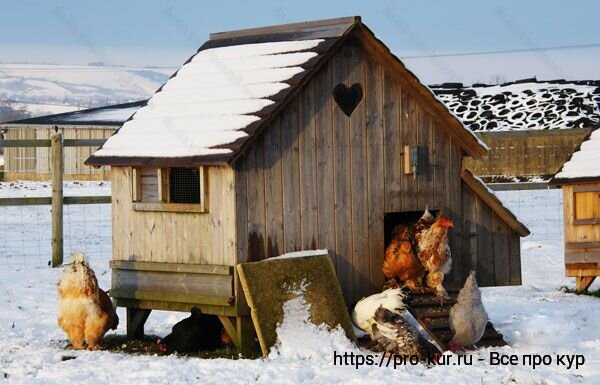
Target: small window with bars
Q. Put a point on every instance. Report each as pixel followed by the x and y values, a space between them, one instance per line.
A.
pixel 169 189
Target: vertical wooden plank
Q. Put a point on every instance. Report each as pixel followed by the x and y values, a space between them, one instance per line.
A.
pixel 342 204
pixel 359 181
pixel 392 145
pixel 241 209
pixel 376 173
pixel 501 253
pixel 568 213
pixel 256 202
pixel 469 255
pixel 424 168
pixel 514 251
pixel 455 187
pixel 441 169
pixel 308 167
pixel 325 167
pixel 274 189
pixel 485 257
pixel 215 214
pixel 291 179
pixel 409 137
pixel 229 230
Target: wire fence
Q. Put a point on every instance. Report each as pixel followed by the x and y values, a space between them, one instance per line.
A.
pixel 540 210
pixel 26 230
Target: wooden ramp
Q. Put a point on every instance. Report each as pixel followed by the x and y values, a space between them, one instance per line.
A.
pixel 433 316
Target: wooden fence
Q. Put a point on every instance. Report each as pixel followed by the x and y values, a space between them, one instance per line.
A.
pixel 526 153
pixel 57 200
pixel 34 163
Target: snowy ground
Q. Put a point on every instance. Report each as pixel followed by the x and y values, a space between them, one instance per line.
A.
pixel 536 318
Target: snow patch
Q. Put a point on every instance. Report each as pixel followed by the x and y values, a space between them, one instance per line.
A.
pixel 300 254
pixel 299 339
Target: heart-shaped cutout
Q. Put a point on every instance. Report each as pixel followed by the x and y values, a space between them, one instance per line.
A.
pixel 348 97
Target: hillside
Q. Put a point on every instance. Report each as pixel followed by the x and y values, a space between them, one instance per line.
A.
pixel 48 89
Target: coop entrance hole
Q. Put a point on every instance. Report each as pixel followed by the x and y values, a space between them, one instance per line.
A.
pixel 407 218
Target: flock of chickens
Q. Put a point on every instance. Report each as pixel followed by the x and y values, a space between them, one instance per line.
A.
pixel 416 259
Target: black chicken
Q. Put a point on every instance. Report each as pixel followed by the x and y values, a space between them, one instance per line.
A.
pixel 197 332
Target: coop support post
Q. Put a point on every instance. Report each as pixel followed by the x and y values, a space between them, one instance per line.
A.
pixel 136 318
pixel 57 198
pixel 584 283
pixel 241 331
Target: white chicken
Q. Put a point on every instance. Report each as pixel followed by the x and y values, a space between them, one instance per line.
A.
pixel 382 317
pixel 468 317
pixel 363 314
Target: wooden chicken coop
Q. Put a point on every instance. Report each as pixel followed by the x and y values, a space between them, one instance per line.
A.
pixel 580 181
pixel 294 137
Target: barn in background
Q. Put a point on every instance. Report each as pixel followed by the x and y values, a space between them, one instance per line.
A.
pixel 580 181
pixel 294 137
pixel 33 163
pixel 531 127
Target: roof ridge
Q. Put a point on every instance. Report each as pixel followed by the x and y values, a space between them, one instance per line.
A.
pixel 283 27
pixel 533 80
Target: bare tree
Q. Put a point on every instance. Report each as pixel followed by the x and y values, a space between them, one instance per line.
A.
pixel 497 79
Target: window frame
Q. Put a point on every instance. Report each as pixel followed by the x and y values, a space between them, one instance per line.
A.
pixel 163 204
pixel 584 189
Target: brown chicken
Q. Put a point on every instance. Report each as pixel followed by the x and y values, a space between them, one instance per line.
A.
pixel 423 224
pixel 85 312
pixel 433 251
pixel 400 259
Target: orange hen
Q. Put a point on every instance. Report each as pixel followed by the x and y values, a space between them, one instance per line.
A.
pixel 400 259
pixel 85 312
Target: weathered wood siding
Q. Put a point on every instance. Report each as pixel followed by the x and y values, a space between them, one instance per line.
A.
pixel 172 237
pixel 319 179
pixel 35 163
pixel 582 226
pixel 526 153
pixel 490 246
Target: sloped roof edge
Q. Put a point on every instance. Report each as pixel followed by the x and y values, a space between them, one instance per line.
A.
pixel 482 191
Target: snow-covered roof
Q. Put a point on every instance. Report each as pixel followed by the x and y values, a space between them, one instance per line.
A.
pixel 113 116
pixel 224 95
pixel 524 105
pixel 584 164
pixel 211 100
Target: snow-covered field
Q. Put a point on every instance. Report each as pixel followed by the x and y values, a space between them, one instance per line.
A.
pixel 46 89
pixel 536 318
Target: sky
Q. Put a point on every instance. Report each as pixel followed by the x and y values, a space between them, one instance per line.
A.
pixel 166 33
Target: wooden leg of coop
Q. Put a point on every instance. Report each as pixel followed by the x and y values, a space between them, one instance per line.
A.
pixel 136 318
pixel 241 331
pixel 584 283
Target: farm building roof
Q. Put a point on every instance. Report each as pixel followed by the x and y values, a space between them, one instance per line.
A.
pixel 225 94
pixel 526 104
pixel 584 164
pixel 114 115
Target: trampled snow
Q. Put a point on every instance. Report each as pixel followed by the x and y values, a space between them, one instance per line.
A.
pixel 535 318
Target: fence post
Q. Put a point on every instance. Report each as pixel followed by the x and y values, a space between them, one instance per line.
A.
pixel 57 199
